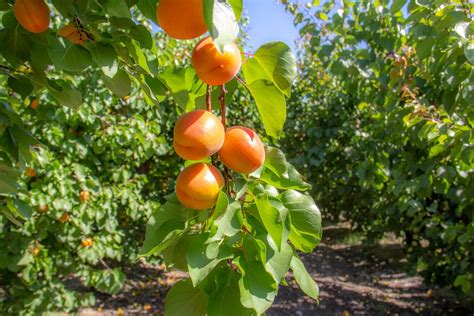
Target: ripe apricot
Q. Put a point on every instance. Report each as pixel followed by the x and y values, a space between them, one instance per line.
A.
pixel 36 251
pixel 214 67
pixel 182 19
pixel 198 135
pixel 34 104
pixel 33 15
pixel 30 172
pixel 64 218
pixel 73 34
pixel 198 186
pixel 243 150
pixel 43 208
pixel 87 242
pixel 84 196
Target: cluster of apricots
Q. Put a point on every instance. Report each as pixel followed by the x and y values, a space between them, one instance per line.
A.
pixel 87 242
pixel 33 15
pixel 199 134
pixel 184 19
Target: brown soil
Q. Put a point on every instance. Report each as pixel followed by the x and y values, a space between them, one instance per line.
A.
pixel 354 280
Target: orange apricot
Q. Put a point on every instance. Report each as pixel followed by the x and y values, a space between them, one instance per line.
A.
pixel 198 135
pixel 198 186
pixel 43 208
pixel 73 34
pixel 30 172
pixel 84 196
pixel 33 15
pixel 64 218
pixel 87 242
pixel 182 19
pixel 214 67
pixel 243 151
pixel 34 104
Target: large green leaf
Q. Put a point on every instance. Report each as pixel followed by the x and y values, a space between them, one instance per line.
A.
pixel 221 22
pixel 257 287
pixel 68 56
pixel 225 300
pixel 279 64
pixel 203 256
pixel 306 230
pixel 279 173
pixel 271 105
pixel 277 258
pixel 120 83
pixel 165 227
pixel 184 299
pixel 273 217
pixel 225 220
pixel 303 278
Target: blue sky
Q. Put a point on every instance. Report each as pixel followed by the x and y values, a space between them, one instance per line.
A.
pixel 269 22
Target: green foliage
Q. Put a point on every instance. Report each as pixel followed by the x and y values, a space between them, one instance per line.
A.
pixel 100 166
pixel 382 121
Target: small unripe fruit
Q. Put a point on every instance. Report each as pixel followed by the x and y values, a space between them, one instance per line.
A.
pixel 30 172
pixel 182 19
pixel 33 15
pixel 36 251
pixel 214 67
pixel 198 186
pixel 243 151
pixel 198 135
pixel 84 196
pixel 34 104
pixel 73 34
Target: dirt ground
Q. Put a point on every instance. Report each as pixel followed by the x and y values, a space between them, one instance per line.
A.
pixel 353 280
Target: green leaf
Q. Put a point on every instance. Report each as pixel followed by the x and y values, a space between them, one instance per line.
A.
pixel 8 177
pixel 469 52
pixel 120 84
pixel 279 173
pixel 463 281
pixel 306 230
pixel 271 105
pixel 148 8
pixel 165 227
pixel 272 218
pixel 104 55
pixel 277 258
pixel 203 256
pixel 118 9
pixel 279 64
pixel 303 278
pixel 237 6
pixel 221 22
pixel 397 5
pixel 21 85
pixel 68 97
pixel 225 300
pixel 225 218
pixel 257 287
pixel 68 56
pixel 184 299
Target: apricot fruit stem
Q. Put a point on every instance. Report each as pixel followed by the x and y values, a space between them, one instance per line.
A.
pixel 208 99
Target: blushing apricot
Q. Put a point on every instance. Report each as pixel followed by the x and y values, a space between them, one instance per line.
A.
pixel 33 15
pixel 198 186
pixel 73 34
pixel 243 150
pixel 182 19
pixel 198 135
pixel 34 104
pixel 214 67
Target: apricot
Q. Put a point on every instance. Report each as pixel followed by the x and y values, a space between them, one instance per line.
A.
pixel 73 34
pixel 198 186
pixel 243 150
pixel 33 15
pixel 64 218
pixel 30 172
pixel 214 67
pixel 43 208
pixel 34 104
pixel 182 19
pixel 198 135
pixel 87 242
pixel 84 196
